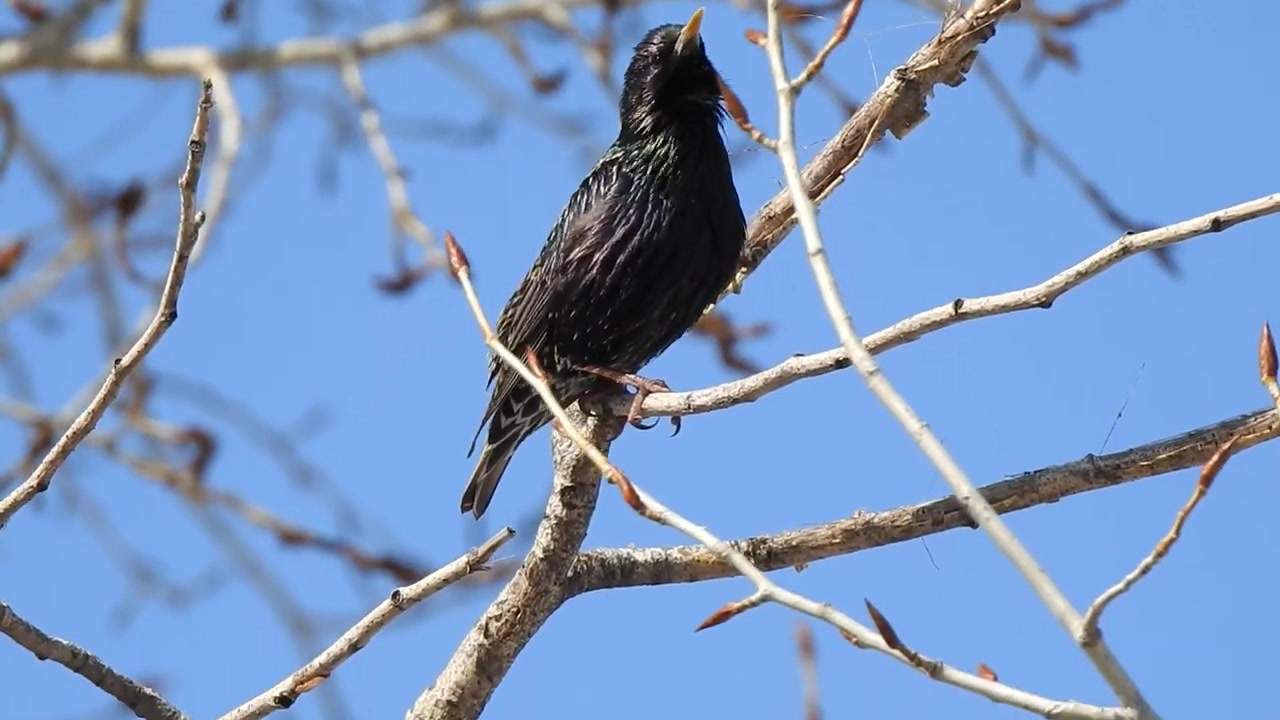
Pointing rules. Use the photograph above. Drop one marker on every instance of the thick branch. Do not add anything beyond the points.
(487, 652)
(629, 567)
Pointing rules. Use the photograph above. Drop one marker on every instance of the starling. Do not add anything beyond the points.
(647, 241)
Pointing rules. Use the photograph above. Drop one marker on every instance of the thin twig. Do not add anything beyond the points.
(189, 223)
(311, 675)
(1208, 474)
(403, 217)
(460, 268)
(841, 32)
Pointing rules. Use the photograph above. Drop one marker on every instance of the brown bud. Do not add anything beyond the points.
(10, 255)
(292, 536)
(721, 616)
(629, 494)
(403, 281)
(884, 628)
(203, 445)
(129, 200)
(458, 263)
(1214, 465)
(549, 83)
(987, 673)
(1267, 354)
(31, 10)
(755, 37)
(732, 103)
(804, 641)
(794, 13)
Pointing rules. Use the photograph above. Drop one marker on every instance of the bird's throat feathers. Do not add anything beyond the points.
(675, 121)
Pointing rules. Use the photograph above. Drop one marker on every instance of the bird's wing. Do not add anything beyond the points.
(522, 325)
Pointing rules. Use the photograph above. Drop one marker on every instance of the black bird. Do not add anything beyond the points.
(649, 239)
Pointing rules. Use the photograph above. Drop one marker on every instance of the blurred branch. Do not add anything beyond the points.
(130, 30)
(143, 701)
(103, 55)
(1034, 141)
(403, 217)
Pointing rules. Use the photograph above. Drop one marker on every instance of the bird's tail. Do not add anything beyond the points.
(517, 418)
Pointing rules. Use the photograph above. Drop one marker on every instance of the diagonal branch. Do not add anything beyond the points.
(283, 695)
(898, 106)
(143, 701)
(974, 504)
(189, 223)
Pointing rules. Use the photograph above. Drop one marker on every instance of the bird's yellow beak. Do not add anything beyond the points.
(687, 42)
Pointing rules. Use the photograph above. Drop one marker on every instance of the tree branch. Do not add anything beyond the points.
(189, 223)
(305, 679)
(143, 701)
(1041, 295)
(480, 663)
(630, 567)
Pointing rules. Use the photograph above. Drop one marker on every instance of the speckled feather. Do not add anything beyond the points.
(646, 242)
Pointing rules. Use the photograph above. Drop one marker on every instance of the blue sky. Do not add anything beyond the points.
(1169, 113)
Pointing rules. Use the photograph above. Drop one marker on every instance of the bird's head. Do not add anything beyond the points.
(670, 80)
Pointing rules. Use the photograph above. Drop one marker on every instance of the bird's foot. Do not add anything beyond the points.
(644, 388)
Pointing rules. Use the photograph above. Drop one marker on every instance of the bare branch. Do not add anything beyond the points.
(1089, 632)
(287, 692)
(403, 217)
(897, 106)
(189, 223)
(629, 567)
(838, 36)
(142, 700)
(25, 53)
(768, 591)
(1041, 295)
(465, 685)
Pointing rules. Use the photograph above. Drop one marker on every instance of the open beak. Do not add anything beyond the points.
(687, 42)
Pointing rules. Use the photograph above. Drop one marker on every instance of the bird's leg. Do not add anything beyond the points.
(644, 388)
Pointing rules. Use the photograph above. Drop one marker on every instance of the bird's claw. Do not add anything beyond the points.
(644, 388)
